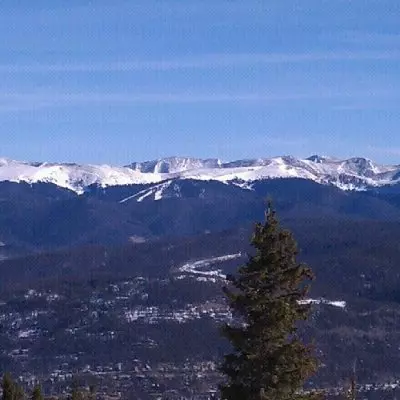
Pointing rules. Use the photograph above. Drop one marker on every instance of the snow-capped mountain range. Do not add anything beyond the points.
(349, 174)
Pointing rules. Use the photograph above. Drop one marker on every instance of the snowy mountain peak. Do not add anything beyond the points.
(174, 165)
(318, 159)
(355, 173)
(362, 166)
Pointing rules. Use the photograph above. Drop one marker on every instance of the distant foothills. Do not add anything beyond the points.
(356, 173)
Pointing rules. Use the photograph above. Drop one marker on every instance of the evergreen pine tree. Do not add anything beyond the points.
(269, 361)
(19, 393)
(8, 387)
(11, 391)
(92, 392)
(37, 393)
(76, 394)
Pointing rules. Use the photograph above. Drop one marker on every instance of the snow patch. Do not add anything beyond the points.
(201, 269)
(156, 190)
(335, 303)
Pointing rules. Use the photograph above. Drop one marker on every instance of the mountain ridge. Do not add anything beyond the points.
(356, 173)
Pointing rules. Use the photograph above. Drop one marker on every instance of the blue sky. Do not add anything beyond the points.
(117, 81)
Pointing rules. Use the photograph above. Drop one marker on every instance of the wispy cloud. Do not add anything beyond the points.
(371, 38)
(377, 106)
(14, 102)
(208, 61)
(37, 100)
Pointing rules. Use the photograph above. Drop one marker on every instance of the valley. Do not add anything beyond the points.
(122, 285)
